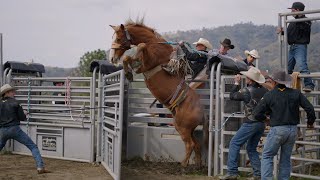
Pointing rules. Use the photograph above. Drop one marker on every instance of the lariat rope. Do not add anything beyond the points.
(67, 101)
(224, 123)
(67, 97)
(28, 109)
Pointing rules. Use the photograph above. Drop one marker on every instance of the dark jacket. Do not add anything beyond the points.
(11, 113)
(283, 104)
(251, 95)
(198, 61)
(299, 32)
(248, 63)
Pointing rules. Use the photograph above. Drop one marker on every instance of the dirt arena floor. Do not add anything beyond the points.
(20, 167)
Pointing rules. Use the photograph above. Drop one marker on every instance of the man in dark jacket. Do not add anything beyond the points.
(197, 60)
(251, 130)
(298, 38)
(283, 105)
(11, 113)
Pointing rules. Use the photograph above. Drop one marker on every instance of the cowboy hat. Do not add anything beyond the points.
(254, 53)
(254, 74)
(5, 88)
(297, 5)
(204, 42)
(280, 77)
(227, 43)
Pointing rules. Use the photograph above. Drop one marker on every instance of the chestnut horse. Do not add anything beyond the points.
(170, 90)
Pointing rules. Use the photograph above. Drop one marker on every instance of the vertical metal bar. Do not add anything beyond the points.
(1, 61)
(8, 78)
(210, 122)
(280, 38)
(100, 94)
(4, 76)
(92, 112)
(217, 117)
(122, 81)
(221, 120)
(285, 45)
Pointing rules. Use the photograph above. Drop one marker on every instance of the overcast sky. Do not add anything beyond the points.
(59, 32)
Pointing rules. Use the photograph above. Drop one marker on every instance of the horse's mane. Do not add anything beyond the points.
(140, 23)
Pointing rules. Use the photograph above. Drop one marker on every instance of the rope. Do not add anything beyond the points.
(67, 101)
(67, 97)
(28, 109)
(224, 123)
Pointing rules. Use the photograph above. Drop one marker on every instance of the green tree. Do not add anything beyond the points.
(87, 58)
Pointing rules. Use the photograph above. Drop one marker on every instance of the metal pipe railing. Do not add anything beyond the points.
(300, 12)
(211, 124)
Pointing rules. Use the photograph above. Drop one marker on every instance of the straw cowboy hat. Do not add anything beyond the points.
(280, 77)
(204, 42)
(227, 43)
(5, 88)
(254, 74)
(254, 53)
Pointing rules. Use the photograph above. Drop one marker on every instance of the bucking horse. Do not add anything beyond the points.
(150, 54)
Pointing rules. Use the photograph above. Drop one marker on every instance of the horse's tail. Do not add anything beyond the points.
(205, 130)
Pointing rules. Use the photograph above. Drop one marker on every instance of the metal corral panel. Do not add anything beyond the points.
(58, 142)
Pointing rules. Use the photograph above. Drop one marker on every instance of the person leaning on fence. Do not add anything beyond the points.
(197, 60)
(251, 130)
(283, 105)
(298, 38)
(251, 56)
(11, 113)
(214, 54)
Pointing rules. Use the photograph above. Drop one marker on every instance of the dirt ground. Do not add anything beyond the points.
(19, 167)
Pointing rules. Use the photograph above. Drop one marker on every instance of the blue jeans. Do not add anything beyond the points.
(15, 132)
(250, 133)
(298, 55)
(279, 136)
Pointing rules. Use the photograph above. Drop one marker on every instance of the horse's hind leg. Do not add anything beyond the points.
(197, 150)
(188, 142)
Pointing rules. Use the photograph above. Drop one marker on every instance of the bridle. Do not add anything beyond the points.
(126, 44)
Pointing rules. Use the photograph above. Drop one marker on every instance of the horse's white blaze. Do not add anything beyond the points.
(111, 53)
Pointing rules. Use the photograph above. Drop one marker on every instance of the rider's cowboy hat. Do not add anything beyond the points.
(254, 53)
(227, 43)
(5, 88)
(280, 77)
(204, 42)
(254, 74)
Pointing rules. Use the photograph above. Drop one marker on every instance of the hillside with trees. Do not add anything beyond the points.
(245, 36)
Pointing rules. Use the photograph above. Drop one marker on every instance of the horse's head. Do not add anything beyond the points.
(121, 42)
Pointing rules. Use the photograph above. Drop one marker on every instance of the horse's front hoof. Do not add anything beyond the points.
(129, 76)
